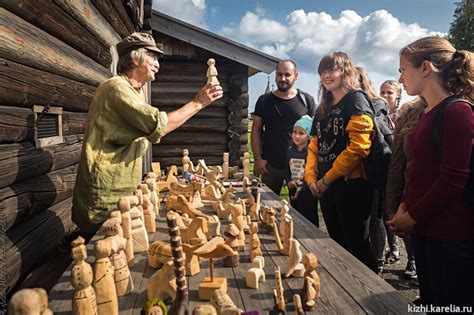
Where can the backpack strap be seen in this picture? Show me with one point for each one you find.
(303, 98)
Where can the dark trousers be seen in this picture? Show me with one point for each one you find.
(445, 271)
(346, 208)
(306, 204)
(274, 179)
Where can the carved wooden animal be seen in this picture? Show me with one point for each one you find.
(254, 242)
(256, 273)
(104, 283)
(246, 185)
(162, 284)
(29, 301)
(223, 303)
(255, 207)
(295, 267)
(84, 300)
(197, 229)
(171, 178)
(237, 212)
(231, 233)
(139, 233)
(211, 193)
(221, 211)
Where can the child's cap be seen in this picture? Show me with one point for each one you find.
(304, 122)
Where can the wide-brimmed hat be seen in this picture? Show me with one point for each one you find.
(139, 40)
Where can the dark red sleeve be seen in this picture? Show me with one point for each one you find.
(458, 134)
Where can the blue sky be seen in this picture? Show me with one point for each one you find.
(370, 31)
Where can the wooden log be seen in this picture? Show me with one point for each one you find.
(16, 124)
(207, 124)
(21, 201)
(178, 99)
(122, 13)
(235, 118)
(31, 241)
(46, 15)
(166, 150)
(88, 15)
(208, 112)
(28, 45)
(27, 86)
(110, 14)
(168, 161)
(20, 161)
(194, 138)
(174, 87)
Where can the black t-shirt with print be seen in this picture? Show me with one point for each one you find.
(331, 129)
(279, 116)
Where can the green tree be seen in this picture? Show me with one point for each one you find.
(461, 31)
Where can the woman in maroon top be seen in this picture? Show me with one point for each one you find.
(433, 206)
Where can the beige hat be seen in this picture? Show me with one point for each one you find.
(138, 40)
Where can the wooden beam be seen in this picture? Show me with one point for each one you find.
(110, 14)
(21, 201)
(175, 99)
(88, 15)
(26, 44)
(46, 15)
(30, 242)
(27, 86)
(173, 150)
(185, 138)
(20, 161)
(122, 13)
(208, 112)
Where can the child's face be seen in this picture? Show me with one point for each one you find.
(299, 136)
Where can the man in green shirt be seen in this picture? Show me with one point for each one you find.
(119, 125)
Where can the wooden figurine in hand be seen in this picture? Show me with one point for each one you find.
(211, 72)
(84, 300)
(312, 288)
(104, 283)
(295, 267)
(123, 279)
(29, 301)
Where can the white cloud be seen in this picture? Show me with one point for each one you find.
(190, 11)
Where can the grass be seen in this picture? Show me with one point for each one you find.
(284, 190)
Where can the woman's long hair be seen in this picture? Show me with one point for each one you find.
(350, 80)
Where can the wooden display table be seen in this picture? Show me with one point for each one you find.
(347, 285)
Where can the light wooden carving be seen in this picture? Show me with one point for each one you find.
(163, 283)
(312, 289)
(29, 301)
(237, 218)
(280, 305)
(298, 304)
(246, 165)
(255, 207)
(225, 166)
(256, 273)
(104, 282)
(246, 185)
(212, 72)
(154, 194)
(124, 205)
(223, 303)
(196, 230)
(156, 168)
(149, 215)
(84, 300)
(158, 254)
(254, 242)
(231, 233)
(286, 229)
(295, 267)
(139, 233)
(171, 178)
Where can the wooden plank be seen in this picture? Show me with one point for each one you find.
(181, 87)
(173, 99)
(48, 16)
(208, 112)
(26, 44)
(184, 138)
(110, 14)
(122, 13)
(27, 86)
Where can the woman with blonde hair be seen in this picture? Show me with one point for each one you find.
(391, 91)
(434, 205)
(341, 134)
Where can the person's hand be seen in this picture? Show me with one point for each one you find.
(322, 187)
(401, 224)
(260, 167)
(292, 184)
(314, 189)
(208, 94)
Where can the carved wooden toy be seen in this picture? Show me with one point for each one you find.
(254, 189)
(254, 242)
(185, 161)
(124, 205)
(156, 168)
(225, 166)
(162, 284)
(204, 309)
(184, 189)
(278, 293)
(171, 178)
(276, 234)
(238, 219)
(256, 273)
(255, 207)
(139, 233)
(123, 279)
(286, 229)
(211, 193)
(246, 165)
(268, 218)
(104, 283)
(149, 215)
(180, 303)
(295, 267)
(213, 249)
(29, 301)
(154, 194)
(212, 72)
(223, 303)
(246, 185)
(196, 230)
(221, 211)
(284, 208)
(298, 305)
(84, 300)
(310, 262)
(159, 253)
(309, 294)
(231, 233)
(154, 307)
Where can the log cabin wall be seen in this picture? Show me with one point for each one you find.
(219, 128)
(51, 52)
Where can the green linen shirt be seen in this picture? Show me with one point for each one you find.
(119, 125)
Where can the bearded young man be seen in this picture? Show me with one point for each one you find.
(273, 120)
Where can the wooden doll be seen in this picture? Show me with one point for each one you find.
(84, 300)
(104, 283)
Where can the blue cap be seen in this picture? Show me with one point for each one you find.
(304, 122)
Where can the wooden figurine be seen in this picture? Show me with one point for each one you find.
(238, 219)
(196, 230)
(225, 166)
(284, 209)
(154, 195)
(268, 218)
(254, 242)
(171, 178)
(124, 205)
(231, 233)
(104, 283)
(149, 215)
(185, 161)
(255, 207)
(156, 168)
(180, 303)
(310, 262)
(29, 301)
(162, 284)
(213, 249)
(286, 229)
(295, 267)
(280, 307)
(204, 309)
(84, 300)
(254, 189)
(256, 273)
(276, 234)
(159, 253)
(246, 185)
(246, 165)
(211, 193)
(154, 307)
(223, 303)
(123, 279)
(212, 72)
(139, 233)
(298, 305)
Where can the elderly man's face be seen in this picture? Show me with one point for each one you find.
(148, 68)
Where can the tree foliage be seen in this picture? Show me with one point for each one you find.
(461, 31)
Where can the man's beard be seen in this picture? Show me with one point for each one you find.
(285, 88)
